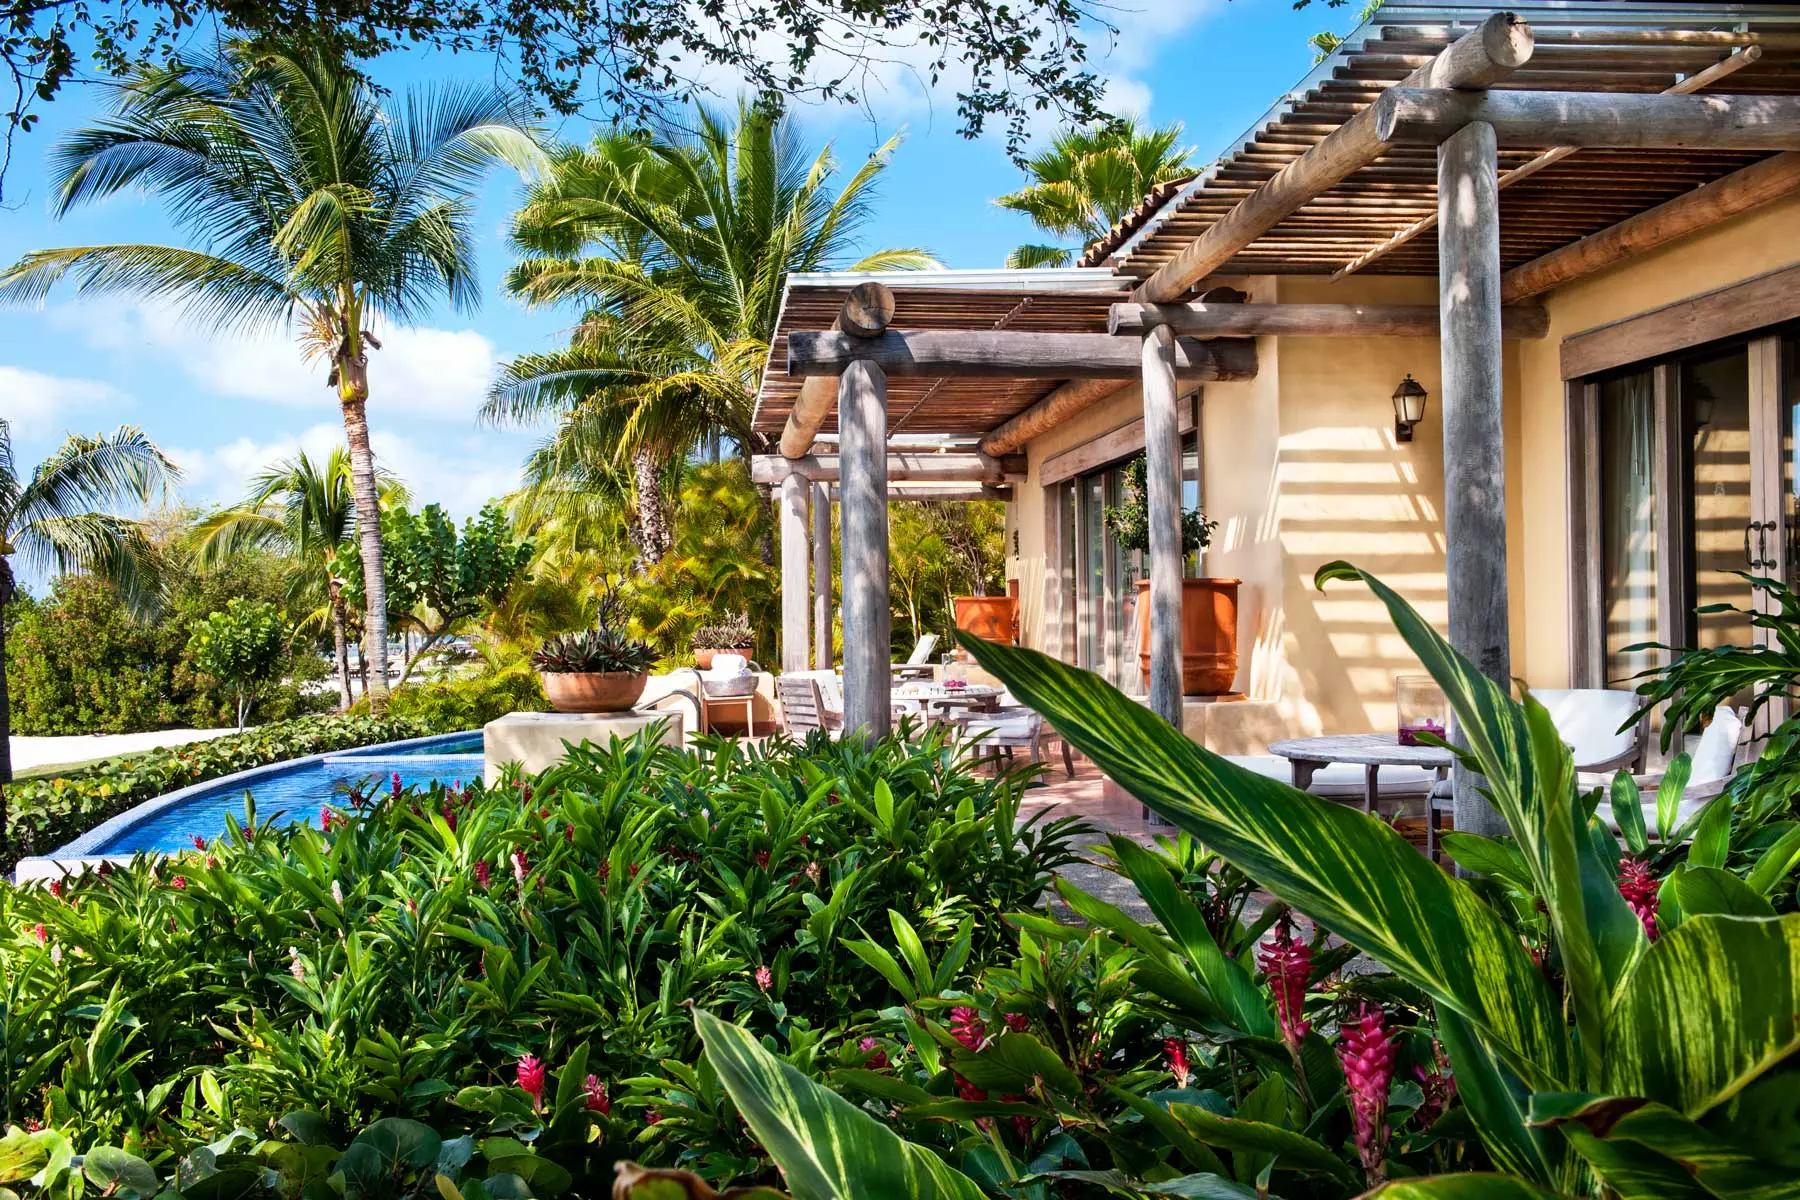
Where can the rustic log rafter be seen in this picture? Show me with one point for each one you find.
(986, 354)
(1662, 121)
(901, 467)
(1308, 320)
(865, 314)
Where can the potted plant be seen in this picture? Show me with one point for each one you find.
(730, 636)
(1208, 605)
(599, 670)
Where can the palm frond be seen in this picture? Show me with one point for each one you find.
(98, 471)
(213, 291)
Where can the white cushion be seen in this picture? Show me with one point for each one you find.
(1716, 753)
(727, 666)
(1588, 719)
(982, 727)
(1340, 780)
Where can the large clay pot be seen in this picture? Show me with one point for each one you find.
(592, 691)
(991, 618)
(1209, 659)
(704, 658)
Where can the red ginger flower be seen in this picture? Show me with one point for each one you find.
(765, 979)
(762, 859)
(482, 872)
(450, 817)
(396, 785)
(199, 842)
(652, 1117)
(1367, 1053)
(42, 934)
(878, 1059)
(531, 1078)
(179, 883)
(324, 819)
(597, 1099)
(1017, 1022)
(1287, 962)
(1438, 1086)
(967, 1028)
(1175, 1051)
(56, 888)
(969, 1091)
(1641, 892)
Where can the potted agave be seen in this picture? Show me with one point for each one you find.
(730, 636)
(599, 670)
(1209, 657)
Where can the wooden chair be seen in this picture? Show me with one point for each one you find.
(803, 706)
(917, 665)
(1010, 729)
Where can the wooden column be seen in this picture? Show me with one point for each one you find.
(862, 454)
(795, 594)
(821, 519)
(1162, 460)
(1474, 451)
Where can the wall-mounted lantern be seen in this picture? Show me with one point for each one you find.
(1409, 408)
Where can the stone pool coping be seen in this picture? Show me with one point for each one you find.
(74, 857)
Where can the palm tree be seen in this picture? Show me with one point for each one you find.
(55, 521)
(676, 246)
(1088, 179)
(316, 212)
(304, 510)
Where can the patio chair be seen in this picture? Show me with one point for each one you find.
(917, 664)
(1013, 728)
(1713, 759)
(806, 702)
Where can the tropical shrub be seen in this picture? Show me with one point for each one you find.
(241, 646)
(45, 813)
(442, 955)
(1628, 1043)
(458, 703)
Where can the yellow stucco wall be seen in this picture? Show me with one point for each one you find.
(1301, 467)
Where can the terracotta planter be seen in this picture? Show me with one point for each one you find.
(704, 658)
(1209, 658)
(991, 618)
(592, 691)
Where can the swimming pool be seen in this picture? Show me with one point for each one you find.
(291, 791)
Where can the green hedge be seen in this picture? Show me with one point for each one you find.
(45, 813)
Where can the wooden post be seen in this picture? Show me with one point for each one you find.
(1162, 455)
(862, 452)
(865, 313)
(821, 517)
(794, 590)
(1474, 450)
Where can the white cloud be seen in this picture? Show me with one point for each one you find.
(461, 476)
(436, 374)
(40, 405)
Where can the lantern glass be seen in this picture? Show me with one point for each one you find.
(1409, 408)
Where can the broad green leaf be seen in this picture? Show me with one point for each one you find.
(1628, 812)
(1488, 856)
(878, 957)
(1648, 1151)
(1668, 794)
(826, 1147)
(1244, 1003)
(1013, 1062)
(1192, 1150)
(634, 1182)
(913, 950)
(1293, 1150)
(113, 1170)
(23, 1155)
(1159, 972)
(1712, 837)
(1775, 863)
(1711, 890)
(1342, 868)
(1497, 1104)
(1706, 1011)
(1463, 1187)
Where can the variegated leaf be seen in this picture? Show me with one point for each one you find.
(826, 1147)
(1463, 1187)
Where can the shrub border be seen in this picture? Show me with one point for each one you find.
(87, 845)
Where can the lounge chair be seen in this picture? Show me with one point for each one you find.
(810, 700)
(1592, 721)
(917, 664)
(1713, 759)
(1010, 729)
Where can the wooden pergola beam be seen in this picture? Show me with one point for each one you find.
(914, 492)
(1308, 320)
(905, 468)
(1075, 396)
(1615, 120)
(1480, 58)
(865, 313)
(990, 354)
(1736, 61)
(1753, 186)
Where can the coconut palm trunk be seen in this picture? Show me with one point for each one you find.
(353, 392)
(652, 514)
(341, 644)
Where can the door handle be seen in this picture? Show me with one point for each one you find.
(1749, 559)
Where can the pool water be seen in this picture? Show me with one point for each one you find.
(296, 794)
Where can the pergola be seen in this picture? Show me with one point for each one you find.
(1533, 152)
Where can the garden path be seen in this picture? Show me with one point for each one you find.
(31, 752)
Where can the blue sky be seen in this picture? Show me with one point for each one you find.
(225, 408)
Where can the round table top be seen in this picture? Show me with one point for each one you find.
(937, 691)
(1380, 749)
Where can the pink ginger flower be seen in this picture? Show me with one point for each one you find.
(483, 872)
(1367, 1053)
(396, 785)
(765, 979)
(966, 1027)
(521, 867)
(652, 1117)
(324, 819)
(179, 883)
(1175, 1052)
(42, 934)
(814, 872)
(1017, 1022)
(1287, 963)
(969, 1091)
(1438, 1086)
(57, 888)
(568, 833)
(878, 1059)
(450, 817)
(597, 1100)
(1640, 890)
(531, 1079)
(199, 842)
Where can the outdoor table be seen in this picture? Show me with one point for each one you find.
(975, 697)
(1371, 751)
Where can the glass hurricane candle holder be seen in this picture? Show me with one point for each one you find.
(1420, 708)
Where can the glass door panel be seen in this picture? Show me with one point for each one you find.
(1630, 571)
(1093, 572)
(1719, 540)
